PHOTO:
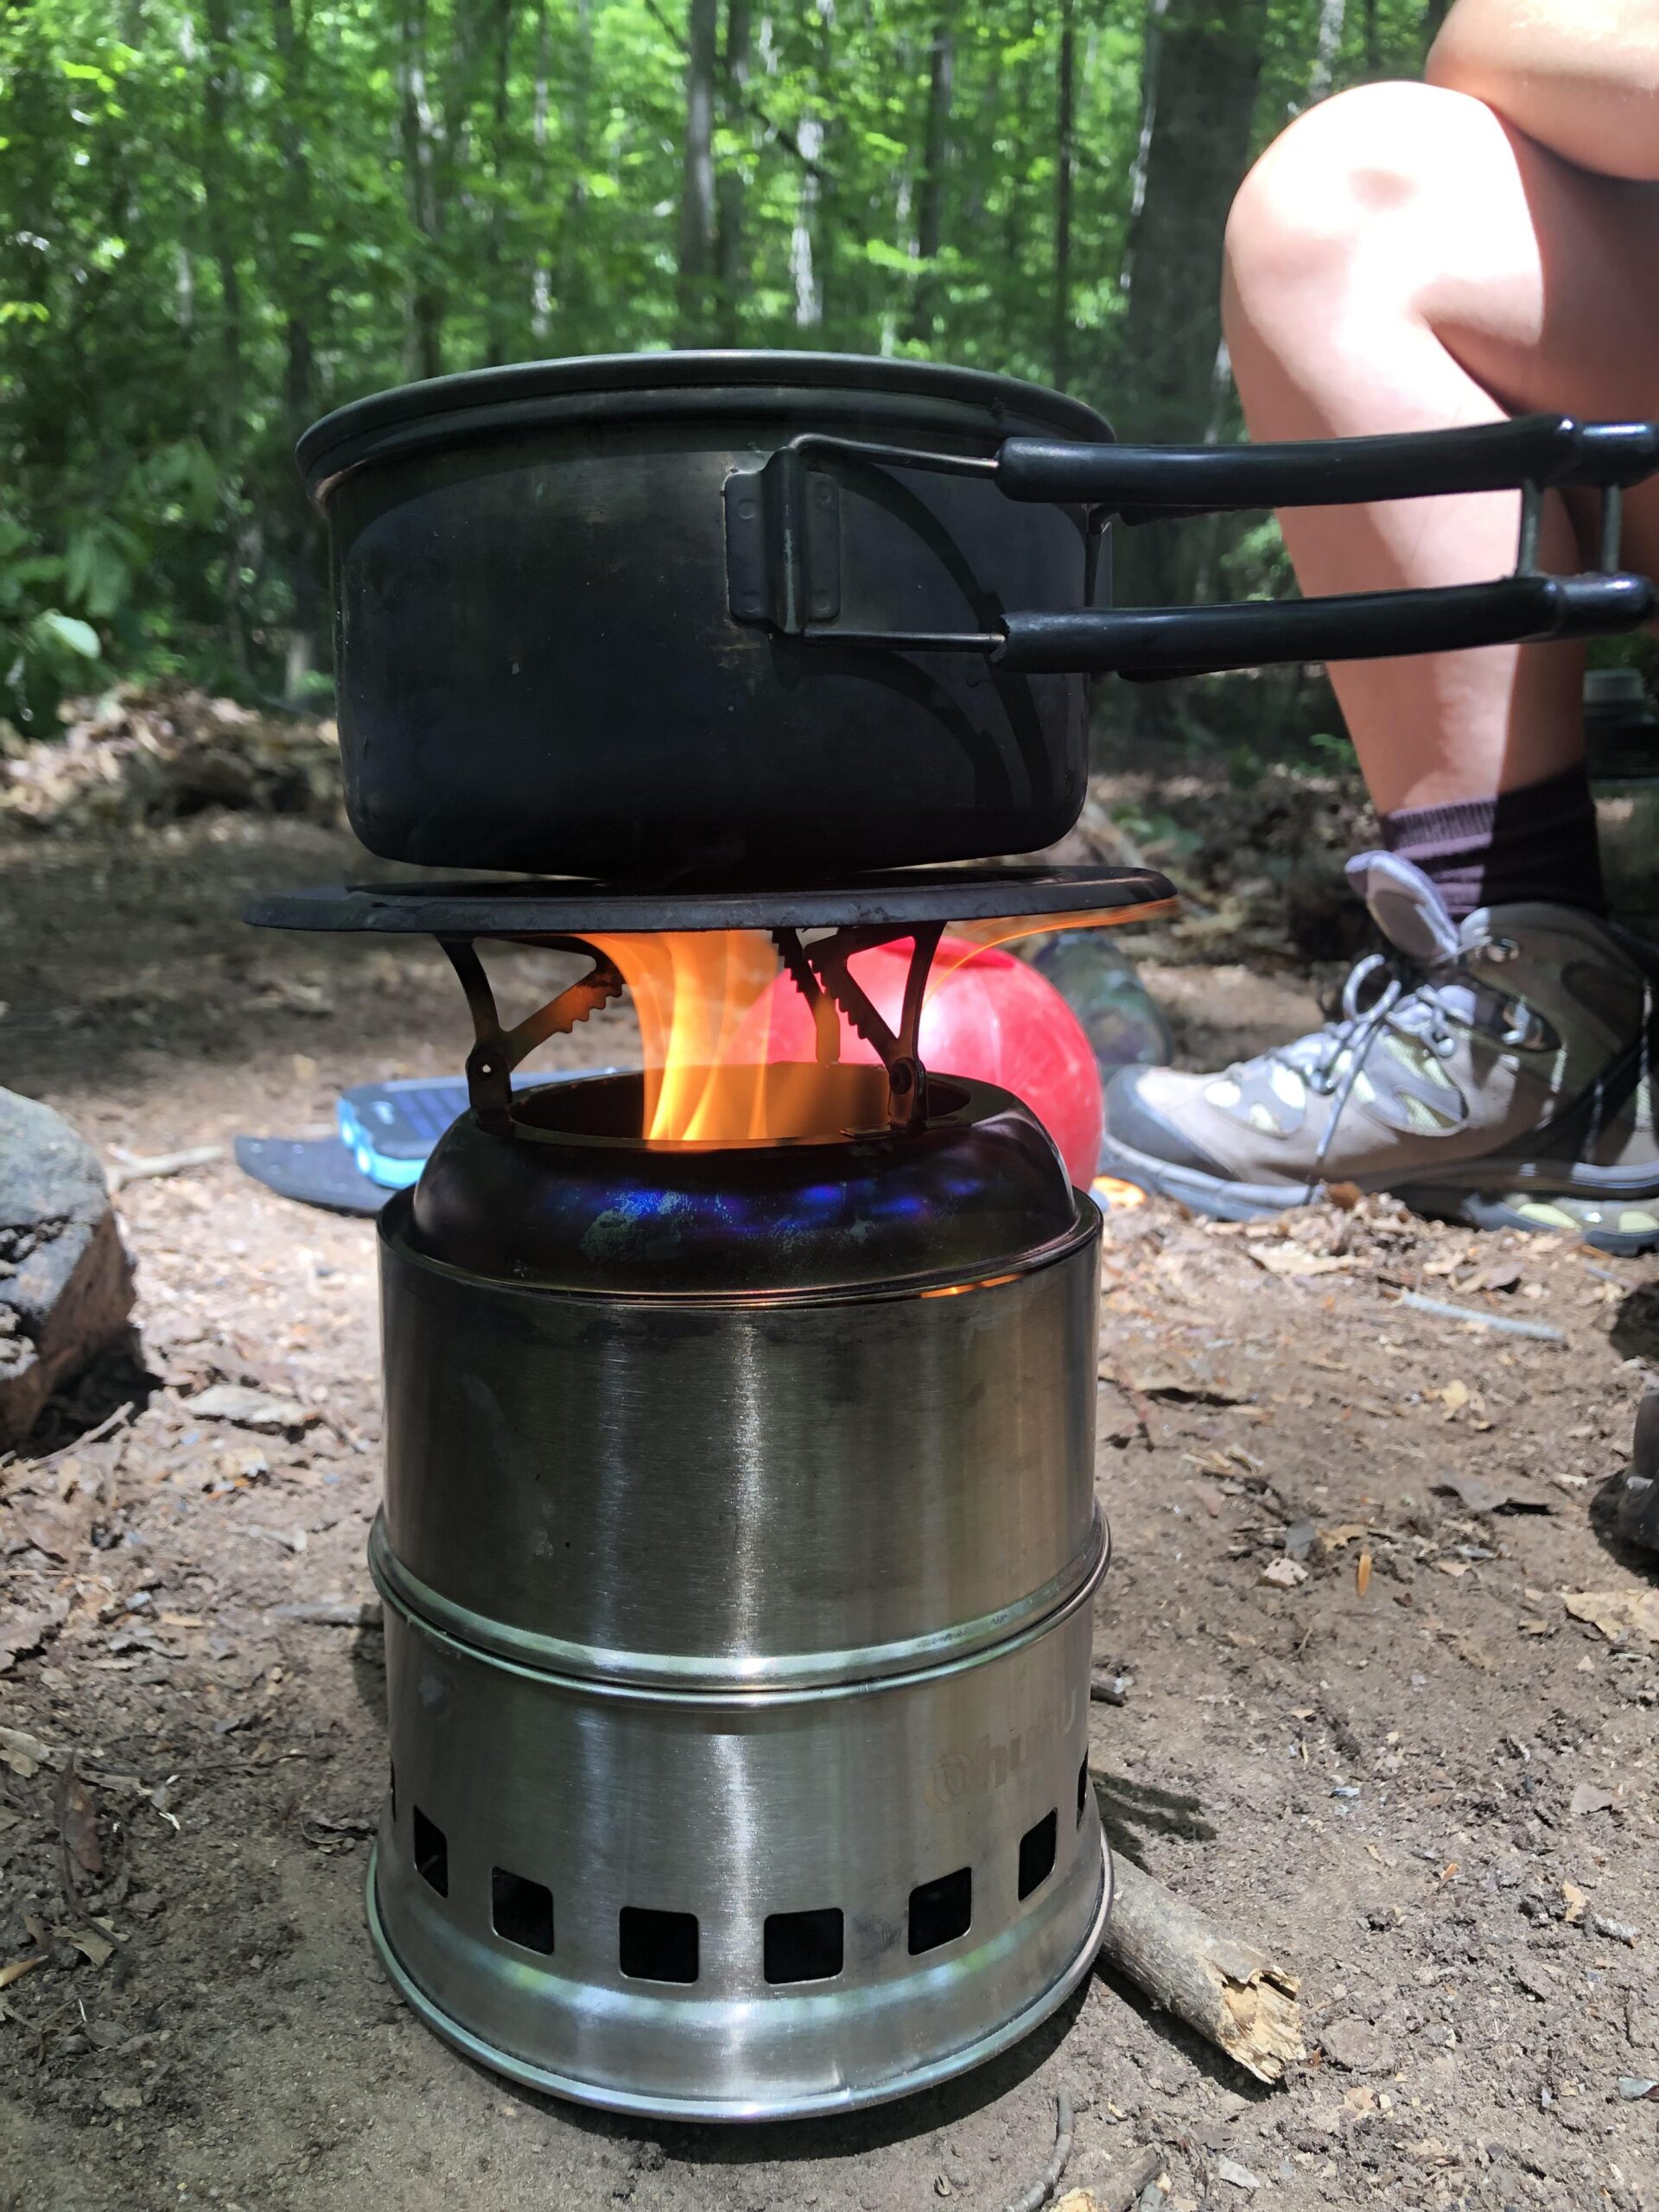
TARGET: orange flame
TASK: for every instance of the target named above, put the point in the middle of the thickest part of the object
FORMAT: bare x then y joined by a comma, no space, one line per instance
708,1076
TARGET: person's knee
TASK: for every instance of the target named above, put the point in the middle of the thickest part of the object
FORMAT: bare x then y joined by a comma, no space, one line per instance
1346,178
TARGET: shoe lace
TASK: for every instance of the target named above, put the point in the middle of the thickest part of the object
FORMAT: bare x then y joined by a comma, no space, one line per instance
1410,1003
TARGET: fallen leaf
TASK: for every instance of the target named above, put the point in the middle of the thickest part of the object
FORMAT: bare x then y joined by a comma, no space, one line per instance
1362,1573
1333,1539
1176,1383
1453,1395
1481,1496
78,1822
27,1631
1576,1902
23,1753
1457,1569
1285,1574
1615,1612
1473,1653
19,1968
260,1409
62,1532
1590,1797
96,1949
1296,1260
1431,2151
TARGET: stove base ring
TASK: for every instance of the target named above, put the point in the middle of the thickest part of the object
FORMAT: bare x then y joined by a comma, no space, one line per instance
946,2068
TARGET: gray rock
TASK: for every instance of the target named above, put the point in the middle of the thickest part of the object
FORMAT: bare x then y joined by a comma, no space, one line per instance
66,1281
1357,2046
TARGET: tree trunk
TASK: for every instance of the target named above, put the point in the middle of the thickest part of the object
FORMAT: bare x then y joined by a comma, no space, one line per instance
221,240
802,266
1207,63
571,290
426,300
497,315
1433,16
1064,165
299,537
1332,16
698,174
729,186
1152,49
221,228
936,154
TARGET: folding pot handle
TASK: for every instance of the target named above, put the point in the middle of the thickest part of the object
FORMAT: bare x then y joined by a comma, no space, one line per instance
1147,643
1143,482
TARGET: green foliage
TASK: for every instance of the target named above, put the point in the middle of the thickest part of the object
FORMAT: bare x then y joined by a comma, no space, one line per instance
217,221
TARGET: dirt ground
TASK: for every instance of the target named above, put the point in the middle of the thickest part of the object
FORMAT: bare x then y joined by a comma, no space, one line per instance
1435,1794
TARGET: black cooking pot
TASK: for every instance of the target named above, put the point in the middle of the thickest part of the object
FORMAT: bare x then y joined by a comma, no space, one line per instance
680,616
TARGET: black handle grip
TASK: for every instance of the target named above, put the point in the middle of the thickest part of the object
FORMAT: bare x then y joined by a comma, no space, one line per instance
1147,643
1141,482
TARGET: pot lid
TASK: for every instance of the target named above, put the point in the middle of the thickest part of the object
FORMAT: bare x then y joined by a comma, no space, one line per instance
479,402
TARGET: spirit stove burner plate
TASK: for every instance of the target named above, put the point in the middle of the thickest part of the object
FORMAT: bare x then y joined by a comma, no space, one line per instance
541,906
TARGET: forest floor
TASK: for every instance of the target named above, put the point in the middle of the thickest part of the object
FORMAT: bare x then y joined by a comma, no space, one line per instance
1435,1796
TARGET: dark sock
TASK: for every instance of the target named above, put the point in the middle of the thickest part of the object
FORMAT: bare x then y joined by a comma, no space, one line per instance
1537,842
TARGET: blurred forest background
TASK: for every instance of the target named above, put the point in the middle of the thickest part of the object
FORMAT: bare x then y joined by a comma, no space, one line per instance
218,220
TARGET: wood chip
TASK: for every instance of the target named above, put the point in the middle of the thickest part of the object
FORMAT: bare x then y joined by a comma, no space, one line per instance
1285,1574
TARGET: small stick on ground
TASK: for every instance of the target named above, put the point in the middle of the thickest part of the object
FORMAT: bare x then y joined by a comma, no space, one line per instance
131,1169
329,1612
1043,2188
1233,1995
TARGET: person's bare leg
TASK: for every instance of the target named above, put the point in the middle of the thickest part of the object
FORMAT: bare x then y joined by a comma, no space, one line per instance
1400,260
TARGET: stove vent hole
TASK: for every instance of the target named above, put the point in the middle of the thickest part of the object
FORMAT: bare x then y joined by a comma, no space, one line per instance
1037,1854
432,1853
658,1946
803,1946
941,1911
1083,1791
521,1911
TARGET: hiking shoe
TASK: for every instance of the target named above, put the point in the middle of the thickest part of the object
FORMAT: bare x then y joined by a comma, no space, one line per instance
1496,1072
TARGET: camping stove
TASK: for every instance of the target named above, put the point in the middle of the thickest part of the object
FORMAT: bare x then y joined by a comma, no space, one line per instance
738,1549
